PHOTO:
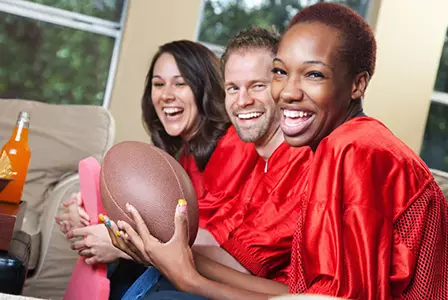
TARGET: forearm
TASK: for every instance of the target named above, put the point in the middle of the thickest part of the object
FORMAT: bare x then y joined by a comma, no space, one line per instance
209,289
222,274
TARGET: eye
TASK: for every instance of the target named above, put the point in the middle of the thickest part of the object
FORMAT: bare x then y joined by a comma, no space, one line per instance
258,86
231,89
278,71
157,84
315,74
180,84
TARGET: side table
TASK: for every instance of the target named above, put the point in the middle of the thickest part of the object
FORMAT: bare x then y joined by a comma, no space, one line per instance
14,264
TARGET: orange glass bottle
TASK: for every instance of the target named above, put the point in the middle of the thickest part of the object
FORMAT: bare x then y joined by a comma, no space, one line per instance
19,154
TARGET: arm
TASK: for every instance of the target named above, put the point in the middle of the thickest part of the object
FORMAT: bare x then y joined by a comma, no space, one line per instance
215,271
204,287
206,245
351,216
356,262
173,259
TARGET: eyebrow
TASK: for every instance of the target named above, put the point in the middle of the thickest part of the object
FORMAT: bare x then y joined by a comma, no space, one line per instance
158,76
309,62
318,62
229,83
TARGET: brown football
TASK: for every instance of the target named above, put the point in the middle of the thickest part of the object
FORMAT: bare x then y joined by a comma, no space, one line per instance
152,181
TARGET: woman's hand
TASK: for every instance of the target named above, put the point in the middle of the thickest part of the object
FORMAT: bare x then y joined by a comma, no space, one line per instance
95,245
74,215
173,259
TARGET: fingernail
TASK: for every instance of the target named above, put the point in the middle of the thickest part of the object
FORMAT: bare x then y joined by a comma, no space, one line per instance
129,207
108,224
126,235
181,205
101,217
117,233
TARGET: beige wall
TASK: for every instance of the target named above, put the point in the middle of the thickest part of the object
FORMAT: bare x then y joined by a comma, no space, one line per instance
150,23
410,35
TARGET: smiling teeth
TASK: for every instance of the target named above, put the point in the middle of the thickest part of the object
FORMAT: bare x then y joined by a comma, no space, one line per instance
295,113
172,110
249,115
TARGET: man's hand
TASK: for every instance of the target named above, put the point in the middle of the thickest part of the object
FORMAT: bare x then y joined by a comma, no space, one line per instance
74,215
96,245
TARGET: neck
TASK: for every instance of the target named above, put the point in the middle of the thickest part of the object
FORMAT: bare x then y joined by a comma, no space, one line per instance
266,147
354,110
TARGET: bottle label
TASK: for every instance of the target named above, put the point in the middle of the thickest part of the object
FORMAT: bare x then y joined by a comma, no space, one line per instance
5,167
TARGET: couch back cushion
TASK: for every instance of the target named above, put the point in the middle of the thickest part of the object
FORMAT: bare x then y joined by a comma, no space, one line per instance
59,137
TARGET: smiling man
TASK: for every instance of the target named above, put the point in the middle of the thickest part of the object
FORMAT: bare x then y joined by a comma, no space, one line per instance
247,72
257,226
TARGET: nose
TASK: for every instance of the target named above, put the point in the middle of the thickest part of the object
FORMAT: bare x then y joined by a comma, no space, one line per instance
168,93
292,91
244,99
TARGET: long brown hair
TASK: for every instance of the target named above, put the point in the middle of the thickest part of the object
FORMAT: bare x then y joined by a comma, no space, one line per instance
200,68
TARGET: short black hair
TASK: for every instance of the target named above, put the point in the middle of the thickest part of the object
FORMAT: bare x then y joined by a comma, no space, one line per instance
359,45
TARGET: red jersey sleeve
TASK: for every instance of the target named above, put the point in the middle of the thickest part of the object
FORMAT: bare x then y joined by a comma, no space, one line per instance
374,226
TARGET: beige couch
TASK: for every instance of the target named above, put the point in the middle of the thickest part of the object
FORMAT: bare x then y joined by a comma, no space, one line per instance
59,137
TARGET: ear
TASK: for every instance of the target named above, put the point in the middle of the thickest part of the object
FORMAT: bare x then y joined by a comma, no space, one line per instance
360,85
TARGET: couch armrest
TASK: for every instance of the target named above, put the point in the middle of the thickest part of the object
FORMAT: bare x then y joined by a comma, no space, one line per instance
56,259
441,178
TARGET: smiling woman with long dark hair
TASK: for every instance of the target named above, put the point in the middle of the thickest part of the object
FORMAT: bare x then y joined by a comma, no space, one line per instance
183,103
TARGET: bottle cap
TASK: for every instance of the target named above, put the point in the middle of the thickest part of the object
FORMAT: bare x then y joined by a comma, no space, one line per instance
24,116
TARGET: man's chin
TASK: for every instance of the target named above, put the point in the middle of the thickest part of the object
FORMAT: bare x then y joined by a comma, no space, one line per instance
249,137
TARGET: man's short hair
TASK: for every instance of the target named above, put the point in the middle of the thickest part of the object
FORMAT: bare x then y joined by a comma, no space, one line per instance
249,39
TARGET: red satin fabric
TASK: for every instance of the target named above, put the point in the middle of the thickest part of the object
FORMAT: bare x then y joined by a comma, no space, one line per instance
258,225
227,170
251,214
374,223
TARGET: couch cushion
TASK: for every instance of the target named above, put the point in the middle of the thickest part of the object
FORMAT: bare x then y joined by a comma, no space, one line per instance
31,227
59,137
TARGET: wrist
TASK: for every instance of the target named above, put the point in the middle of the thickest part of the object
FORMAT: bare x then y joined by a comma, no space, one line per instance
194,283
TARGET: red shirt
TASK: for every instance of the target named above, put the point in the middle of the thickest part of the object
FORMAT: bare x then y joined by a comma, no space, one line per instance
226,171
251,213
258,225
374,223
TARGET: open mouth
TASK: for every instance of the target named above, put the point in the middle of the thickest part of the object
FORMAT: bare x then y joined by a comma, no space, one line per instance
247,116
173,112
295,122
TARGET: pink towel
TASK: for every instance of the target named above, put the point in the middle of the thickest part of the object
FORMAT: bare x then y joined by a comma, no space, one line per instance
89,282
